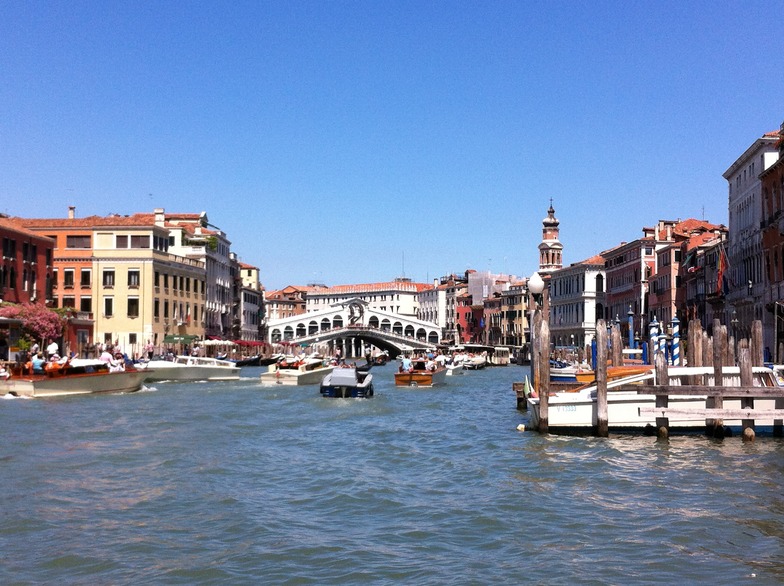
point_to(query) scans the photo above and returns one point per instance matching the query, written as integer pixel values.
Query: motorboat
(304, 371)
(345, 382)
(74, 377)
(576, 409)
(454, 369)
(191, 368)
(420, 375)
(477, 362)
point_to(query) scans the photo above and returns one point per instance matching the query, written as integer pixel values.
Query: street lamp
(536, 286)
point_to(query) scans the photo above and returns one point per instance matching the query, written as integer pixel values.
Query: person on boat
(4, 374)
(106, 355)
(55, 365)
(405, 364)
(53, 349)
(117, 363)
(38, 363)
(430, 365)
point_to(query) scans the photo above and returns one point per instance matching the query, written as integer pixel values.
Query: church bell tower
(550, 249)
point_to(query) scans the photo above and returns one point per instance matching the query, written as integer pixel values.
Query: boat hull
(294, 377)
(420, 378)
(73, 384)
(193, 370)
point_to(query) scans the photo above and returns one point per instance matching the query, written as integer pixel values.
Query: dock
(722, 391)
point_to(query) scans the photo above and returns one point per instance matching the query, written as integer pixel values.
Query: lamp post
(734, 323)
(535, 288)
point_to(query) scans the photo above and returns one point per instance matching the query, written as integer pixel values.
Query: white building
(746, 264)
(577, 298)
(400, 296)
(191, 236)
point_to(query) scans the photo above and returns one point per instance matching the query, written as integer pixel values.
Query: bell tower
(550, 249)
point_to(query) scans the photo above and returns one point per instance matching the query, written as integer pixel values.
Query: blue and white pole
(654, 336)
(631, 328)
(676, 341)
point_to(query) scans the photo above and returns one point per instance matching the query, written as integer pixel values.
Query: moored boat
(347, 382)
(190, 368)
(576, 410)
(78, 377)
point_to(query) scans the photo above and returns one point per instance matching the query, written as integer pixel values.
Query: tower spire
(550, 249)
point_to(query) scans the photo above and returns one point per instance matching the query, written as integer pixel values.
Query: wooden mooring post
(602, 420)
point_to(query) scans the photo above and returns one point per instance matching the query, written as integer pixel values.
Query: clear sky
(352, 142)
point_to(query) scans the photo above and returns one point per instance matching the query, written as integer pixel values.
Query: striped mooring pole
(676, 341)
(654, 336)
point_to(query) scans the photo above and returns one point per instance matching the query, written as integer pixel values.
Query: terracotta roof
(13, 225)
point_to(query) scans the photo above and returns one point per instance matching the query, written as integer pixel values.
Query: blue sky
(350, 142)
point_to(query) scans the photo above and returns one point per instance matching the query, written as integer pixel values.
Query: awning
(179, 339)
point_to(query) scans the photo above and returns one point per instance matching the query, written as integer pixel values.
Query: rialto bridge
(353, 327)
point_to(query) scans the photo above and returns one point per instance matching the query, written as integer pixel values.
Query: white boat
(347, 382)
(308, 371)
(475, 362)
(576, 410)
(77, 377)
(454, 369)
(191, 368)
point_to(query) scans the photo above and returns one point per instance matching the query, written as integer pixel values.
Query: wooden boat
(308, 371)
(248, 361)
(190, 368)
(77, 377)
(347, 382)
(576, 410)
(420, 376)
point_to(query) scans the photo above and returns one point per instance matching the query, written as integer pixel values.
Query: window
(140, 242)
(108, 278)
(132, 338)
(69, 301)
(165, 281)
(156, 308)
(77, 242)
(165, 310)
(121, 241)
(108, 306)
(157, 279)
(86, 277)
(68, 278)
(86, 304)
(54, 279)
(133, 307)
(133, 278)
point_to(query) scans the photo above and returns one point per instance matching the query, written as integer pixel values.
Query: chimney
(159, 216)
(71, 212)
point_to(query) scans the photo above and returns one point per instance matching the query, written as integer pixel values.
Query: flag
(722, 279)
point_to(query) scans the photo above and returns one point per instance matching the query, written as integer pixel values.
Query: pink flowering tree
(38, 322)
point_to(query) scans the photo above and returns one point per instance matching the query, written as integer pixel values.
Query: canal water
(207, 483)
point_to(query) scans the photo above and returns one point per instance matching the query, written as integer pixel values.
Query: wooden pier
(716, 351)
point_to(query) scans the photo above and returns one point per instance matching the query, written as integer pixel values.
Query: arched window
(312, 327)
(325, 325)
(288, 333)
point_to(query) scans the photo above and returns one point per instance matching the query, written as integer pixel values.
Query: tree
(38, 321)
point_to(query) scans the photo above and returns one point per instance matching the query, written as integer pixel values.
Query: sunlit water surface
(237, 483)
